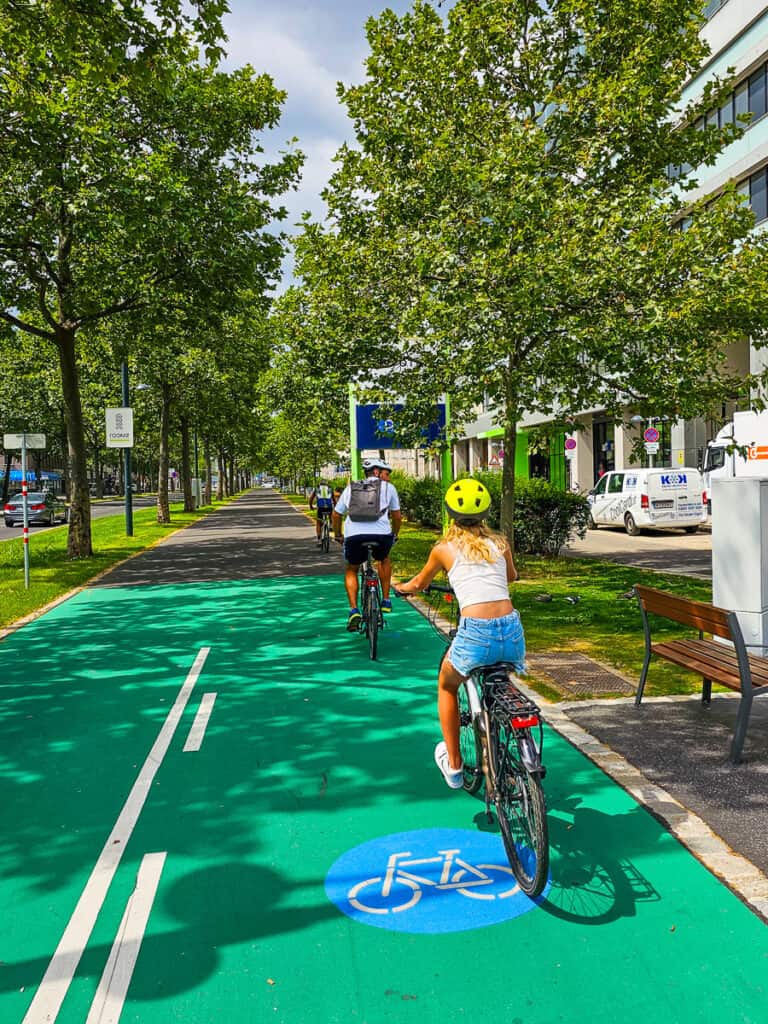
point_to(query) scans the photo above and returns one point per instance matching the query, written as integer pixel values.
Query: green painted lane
(310, 752)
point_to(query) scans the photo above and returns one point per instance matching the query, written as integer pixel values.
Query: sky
(307, 46)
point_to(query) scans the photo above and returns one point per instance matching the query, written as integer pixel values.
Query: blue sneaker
(386, 604)
(353, 620)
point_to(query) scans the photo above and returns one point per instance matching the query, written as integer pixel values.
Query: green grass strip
(52, 574)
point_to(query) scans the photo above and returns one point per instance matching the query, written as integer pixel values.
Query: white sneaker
(453, 776)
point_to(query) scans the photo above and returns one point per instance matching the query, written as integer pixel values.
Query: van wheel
(691, 529)
(591, 524)
(630, 525)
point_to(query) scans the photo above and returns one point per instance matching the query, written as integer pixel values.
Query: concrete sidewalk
(671, 752)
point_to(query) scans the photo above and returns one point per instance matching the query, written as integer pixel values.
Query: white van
(656, 498)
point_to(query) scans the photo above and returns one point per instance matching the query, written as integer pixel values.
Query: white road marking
(46, 1004)
(110, 996)
(200, 724)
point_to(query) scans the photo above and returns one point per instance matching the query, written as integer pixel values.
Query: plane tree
(131, 177)
(506, 228)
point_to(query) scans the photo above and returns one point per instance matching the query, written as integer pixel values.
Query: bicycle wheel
(469, 744)
(372, 622)
(521, 810)
(325, 537)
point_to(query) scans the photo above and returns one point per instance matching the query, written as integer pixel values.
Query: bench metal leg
(742, 721)
(706, 693)
(643, 677)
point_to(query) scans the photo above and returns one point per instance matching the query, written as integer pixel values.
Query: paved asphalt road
(662, 550)
(99, 509)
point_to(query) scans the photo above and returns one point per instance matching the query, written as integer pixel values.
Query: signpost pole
(356, 467)
(446, 459)
(25, 507)
(127, 460)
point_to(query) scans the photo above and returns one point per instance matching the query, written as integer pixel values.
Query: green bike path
(147, 883)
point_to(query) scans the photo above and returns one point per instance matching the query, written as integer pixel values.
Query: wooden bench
(715, 662)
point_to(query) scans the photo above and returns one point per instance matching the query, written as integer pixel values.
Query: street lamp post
(127, 459)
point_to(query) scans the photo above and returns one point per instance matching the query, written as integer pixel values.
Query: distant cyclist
(322, 496)
(368, 506)
(480, 568)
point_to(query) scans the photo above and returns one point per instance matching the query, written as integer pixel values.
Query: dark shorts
(323, 513)
(354, 547)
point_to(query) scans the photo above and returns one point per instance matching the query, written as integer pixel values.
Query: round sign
(570, 444)
(650, 434)
(430, 881)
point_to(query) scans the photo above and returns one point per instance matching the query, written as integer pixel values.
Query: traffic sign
(650, 434)
(652, 447)
(12, 441)
(570, 444)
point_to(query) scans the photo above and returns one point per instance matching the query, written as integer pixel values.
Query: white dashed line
(46, 1004)
(110, 995)
(197, 732)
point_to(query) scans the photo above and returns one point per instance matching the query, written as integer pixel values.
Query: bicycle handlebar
(438, 588)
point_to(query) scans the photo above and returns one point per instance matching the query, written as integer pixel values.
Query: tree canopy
(506, 226)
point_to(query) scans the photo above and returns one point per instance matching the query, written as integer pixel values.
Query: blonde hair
(478, 542)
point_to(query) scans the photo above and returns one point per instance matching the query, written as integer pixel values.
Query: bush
(547, 518)
(427, 501)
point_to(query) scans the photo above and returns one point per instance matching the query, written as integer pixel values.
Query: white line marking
(45, 1007)
(200, 724)
(110, 996)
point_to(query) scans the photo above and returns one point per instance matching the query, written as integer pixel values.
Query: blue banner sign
(375, 430)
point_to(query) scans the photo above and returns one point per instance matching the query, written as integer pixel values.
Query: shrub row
(545, 517)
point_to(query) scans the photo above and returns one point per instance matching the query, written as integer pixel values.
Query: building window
(757, 93)
(758, 198)
(741, 99)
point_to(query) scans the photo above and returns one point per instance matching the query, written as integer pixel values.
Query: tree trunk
(208, 468)
(508, 478)
(221, 481)
(79, 538)
(232, 480)
(163, 507)
(7, 476)
(186, 466)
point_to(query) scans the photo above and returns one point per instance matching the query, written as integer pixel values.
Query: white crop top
(478, 582)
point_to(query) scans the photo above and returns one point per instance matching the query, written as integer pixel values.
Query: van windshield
(714, 458)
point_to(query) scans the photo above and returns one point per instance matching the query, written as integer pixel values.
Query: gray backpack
(365, 499)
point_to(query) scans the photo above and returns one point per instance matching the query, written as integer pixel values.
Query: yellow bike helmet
(468, 499)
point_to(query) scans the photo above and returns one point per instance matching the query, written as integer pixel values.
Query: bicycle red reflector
(448, 598)
(524, 721)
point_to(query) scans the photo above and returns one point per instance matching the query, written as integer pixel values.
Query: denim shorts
(485, 641)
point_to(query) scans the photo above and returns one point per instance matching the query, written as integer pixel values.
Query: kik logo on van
(673, 479)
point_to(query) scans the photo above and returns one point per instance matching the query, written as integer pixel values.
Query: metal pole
(25, 507)
(127, 459)
(447, 457)
(356, 467)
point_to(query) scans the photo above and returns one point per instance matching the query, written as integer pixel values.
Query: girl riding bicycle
(479, 565)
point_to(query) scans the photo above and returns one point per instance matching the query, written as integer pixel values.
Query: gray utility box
(740, 555)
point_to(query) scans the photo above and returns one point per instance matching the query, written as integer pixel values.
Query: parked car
(658, 498)
(42, 507)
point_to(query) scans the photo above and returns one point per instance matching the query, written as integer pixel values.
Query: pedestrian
(480, 568)
(368, 506)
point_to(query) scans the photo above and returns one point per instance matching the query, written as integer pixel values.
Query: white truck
(749, 430)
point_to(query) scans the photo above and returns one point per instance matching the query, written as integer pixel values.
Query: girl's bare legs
(448, 683)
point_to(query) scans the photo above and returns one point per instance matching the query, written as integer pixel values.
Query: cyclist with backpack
(479, 565)
(322, 496)
(368, 505)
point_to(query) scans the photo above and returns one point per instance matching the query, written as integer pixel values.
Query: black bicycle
(372, 617)
(501, 740)
(325, 532)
